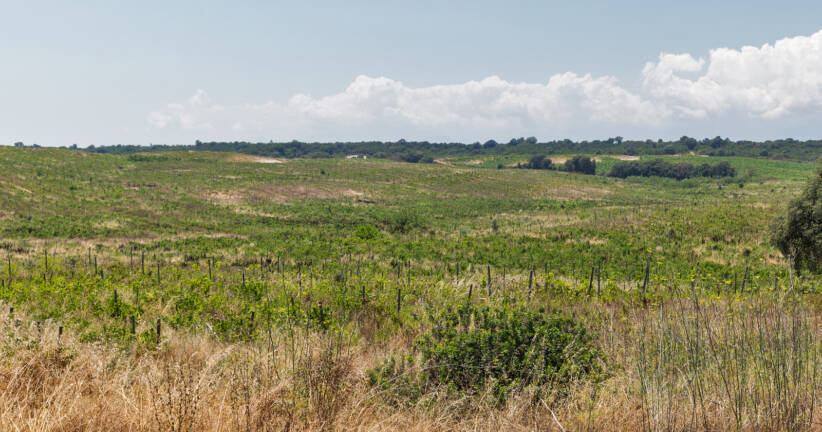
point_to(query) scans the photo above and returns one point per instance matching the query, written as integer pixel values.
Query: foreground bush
(479, 346)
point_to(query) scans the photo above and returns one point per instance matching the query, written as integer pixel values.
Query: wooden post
(489, 281)
(591, 281)
(645, 283)
(530, 283)
(399, 299)
(133, 326)
(158, 330)
(599, 292)
(116, 304)
(470, 292)
(143, 261)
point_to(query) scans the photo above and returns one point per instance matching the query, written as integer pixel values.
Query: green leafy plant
(367, 232)
(474, 346)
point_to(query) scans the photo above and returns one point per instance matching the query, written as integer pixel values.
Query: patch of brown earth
(252, 159)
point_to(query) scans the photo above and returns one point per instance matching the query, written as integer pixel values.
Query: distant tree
(539, 162)
(663, 168)
(581, 164)
(531, 140)
(490, 144)
(798, 232)
(717, 142)
(689, 142)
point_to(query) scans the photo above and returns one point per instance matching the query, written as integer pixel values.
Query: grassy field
(217, 291)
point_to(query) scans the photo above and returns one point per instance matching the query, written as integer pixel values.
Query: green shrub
(397, 380)
(367, 232)
(798, 232)
(508, 348)
(404, 221)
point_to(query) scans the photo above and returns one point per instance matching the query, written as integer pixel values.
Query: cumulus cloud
(491, 101)
(770, 82)
(767, 82)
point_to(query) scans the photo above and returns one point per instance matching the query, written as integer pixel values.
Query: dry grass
(749, 365)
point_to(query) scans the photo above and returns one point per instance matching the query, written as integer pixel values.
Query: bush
(663, 168)
(367, 232)
(581, 164)
(798, 233)
(539, 162)
(507, 348)
(404, 221)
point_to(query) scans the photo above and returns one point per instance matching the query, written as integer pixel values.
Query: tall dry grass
(748, 364)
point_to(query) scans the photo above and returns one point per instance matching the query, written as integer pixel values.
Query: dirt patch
(287, 193)
(281, 194)
(252, 159)
(253, 212)
(109, 224)
(474, 162)
(353, 193)
(226, 197)
(617, 157)
(442, 162)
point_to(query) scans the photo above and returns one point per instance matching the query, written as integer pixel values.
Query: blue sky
(172, 72)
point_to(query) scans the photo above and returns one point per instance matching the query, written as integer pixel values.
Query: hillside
(228, 291)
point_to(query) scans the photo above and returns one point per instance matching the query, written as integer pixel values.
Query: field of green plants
(451, 289)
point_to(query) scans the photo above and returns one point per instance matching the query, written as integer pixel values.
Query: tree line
(424, 151)
(663, 168)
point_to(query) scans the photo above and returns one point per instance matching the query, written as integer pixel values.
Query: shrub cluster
(506, 348)
(581, 164)
(539, 162)
(663, 168)
(577, 164)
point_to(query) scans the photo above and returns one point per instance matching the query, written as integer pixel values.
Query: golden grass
(304, 381)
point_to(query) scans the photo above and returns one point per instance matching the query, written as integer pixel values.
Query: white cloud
(768, 82)
(491, 101)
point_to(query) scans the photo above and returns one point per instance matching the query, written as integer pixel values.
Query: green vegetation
(468, 347)
(798, 233)
(412, 151)
(447, 282)
(581, 164)
(662, 168)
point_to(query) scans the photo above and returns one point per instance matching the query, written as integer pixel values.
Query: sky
(101, 73)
